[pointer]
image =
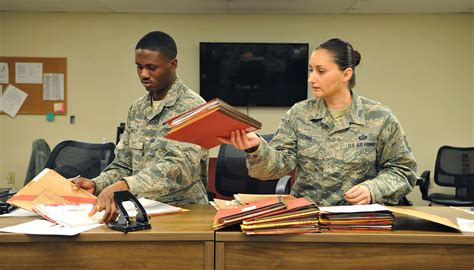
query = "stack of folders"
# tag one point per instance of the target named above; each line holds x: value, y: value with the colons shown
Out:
x: 203, y: 124
x: 372, y: 217
x: 299, y: 216
x: 227, y: 217
x: 274, y: 216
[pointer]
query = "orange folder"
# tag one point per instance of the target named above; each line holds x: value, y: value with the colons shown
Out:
x: 49, y: 187
x: 231, y: 216
x: 203, y: 124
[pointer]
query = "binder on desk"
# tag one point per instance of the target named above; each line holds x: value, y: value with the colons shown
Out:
x: 203, y: 124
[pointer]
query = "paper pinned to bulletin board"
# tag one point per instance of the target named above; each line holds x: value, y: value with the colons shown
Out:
x: 12, y: 100
x: 43, y: 79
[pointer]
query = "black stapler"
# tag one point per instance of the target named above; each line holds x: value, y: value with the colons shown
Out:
x: 124, y: 223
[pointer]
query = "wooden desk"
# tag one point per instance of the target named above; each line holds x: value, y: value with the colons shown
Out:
x: 414, y: 244
x: 179, y: 241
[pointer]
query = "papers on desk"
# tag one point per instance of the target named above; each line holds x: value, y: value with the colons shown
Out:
x: 49, y: 187
x: 72, y: 219
x: 243, y: 199
x: 20, y: 213
x: 44, y: 227
x: 77, y: 214
x: 276, y: 215
x: 371, y: 217
x: 465, y: 225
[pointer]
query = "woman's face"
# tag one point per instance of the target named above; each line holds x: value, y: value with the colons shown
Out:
x: 325, y: 78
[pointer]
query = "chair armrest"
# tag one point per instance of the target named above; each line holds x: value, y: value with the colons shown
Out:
x: 284, y: 185
x: 424, y: 182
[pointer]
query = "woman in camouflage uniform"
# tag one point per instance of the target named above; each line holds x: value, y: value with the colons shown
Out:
x: 346, y: 149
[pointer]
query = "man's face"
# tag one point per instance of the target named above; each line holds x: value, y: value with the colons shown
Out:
x: 157, y: 72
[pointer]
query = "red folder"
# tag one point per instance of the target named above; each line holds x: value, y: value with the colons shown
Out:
x: 203, y: 124
x: 231, y: 216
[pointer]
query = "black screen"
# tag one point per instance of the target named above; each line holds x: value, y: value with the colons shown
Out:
x: 254, y: 74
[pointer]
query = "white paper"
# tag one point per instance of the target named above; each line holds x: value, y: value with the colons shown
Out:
x: 77, y: 215
x: 354, y: 208
x: 12, y: 100
x: 43, y: 227
x: 19, y: 212
x: 151, y: 207
x: 69, y: 215
x: 53, y: 86
x: 465, y: 225
x: 29, y: 73
x: 3, y: 73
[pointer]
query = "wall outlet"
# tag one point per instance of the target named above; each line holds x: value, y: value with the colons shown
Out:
x: 11, y: 178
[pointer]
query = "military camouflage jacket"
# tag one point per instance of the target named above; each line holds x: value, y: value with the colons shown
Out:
x: 154, y: 167
x: 366, y: 147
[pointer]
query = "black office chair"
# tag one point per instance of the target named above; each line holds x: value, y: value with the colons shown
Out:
x: 232, y: 175
x: 120, y: 131
x: 73, y: 158
x: 452, y: 169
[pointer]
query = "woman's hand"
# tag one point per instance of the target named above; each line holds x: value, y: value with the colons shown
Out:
x: 358, y: 194
x: 241, y: 140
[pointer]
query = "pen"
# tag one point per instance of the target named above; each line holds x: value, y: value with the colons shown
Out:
x: 75, y: 178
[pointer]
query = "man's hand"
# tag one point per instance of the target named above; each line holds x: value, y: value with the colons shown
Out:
x: 241, y: 140
x: 358, y: 194
x: 83, y: 183
x: 106, y: 202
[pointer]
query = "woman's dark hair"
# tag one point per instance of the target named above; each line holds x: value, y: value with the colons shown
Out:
x: 159, y: 42
x: 344, y: 55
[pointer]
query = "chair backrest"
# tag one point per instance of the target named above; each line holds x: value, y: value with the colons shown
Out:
x: 232, y: 173
x: 39, y: 155
x: 453, y: 168
x: 73, y: 158
x: 120, y: 131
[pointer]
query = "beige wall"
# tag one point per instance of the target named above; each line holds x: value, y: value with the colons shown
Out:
x: 421, y: 66
x: 2, y: 39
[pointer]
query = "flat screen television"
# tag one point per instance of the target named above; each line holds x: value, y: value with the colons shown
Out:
x: 254, y: 74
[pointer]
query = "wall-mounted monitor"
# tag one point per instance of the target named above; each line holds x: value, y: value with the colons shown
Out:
x: 254, y: 74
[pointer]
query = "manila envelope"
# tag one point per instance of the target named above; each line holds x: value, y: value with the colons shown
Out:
x: 49, y: 187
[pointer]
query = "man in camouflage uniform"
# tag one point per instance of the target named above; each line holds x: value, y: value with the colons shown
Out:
x: 366, y: 147
x: 146, y: 163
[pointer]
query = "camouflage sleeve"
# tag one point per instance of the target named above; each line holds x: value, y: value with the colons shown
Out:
x: 173, y: 172
x: 396, y: 165
x: 121, y: 166
x: 277, y: 158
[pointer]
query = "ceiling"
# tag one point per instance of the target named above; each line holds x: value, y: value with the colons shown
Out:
x: 242, y: 6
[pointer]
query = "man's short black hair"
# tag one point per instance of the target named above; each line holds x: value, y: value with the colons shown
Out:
x: 159, y: 42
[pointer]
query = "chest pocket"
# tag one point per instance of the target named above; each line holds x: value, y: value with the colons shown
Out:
x: 309, y: 150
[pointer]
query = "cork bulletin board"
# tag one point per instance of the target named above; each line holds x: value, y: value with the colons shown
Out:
x: 35, y: 104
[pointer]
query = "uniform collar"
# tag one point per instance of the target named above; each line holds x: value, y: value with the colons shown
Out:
x: 354, y: 115
x: 168, y: 101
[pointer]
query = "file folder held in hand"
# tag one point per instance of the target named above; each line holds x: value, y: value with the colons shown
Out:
x: 203, y: 124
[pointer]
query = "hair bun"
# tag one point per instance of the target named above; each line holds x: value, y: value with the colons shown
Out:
x: 357, y: 58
